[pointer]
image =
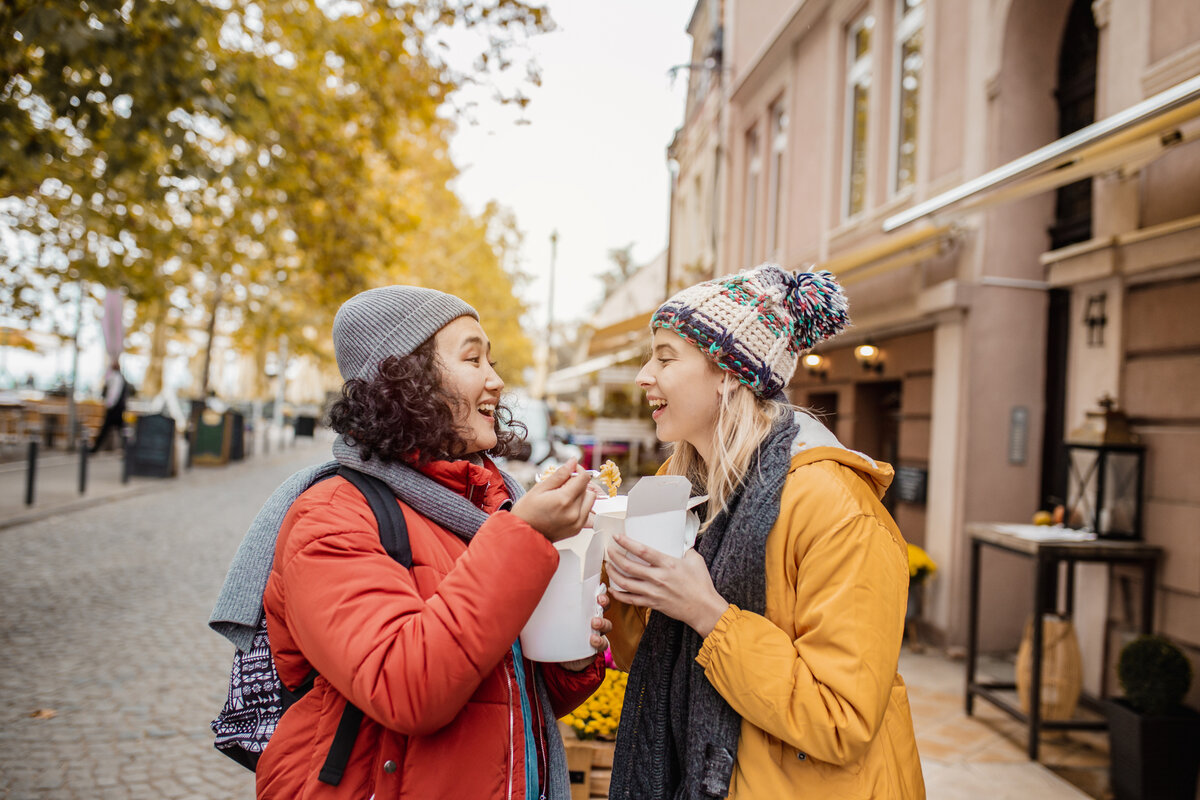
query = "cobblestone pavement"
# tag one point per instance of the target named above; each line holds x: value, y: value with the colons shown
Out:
x: 103, y: 623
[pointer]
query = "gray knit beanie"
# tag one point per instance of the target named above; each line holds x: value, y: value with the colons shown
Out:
x: 389, y: 321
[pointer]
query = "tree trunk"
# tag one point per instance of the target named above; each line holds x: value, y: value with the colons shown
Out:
x: 212, y: 326
x: 152, y: 384
x: 262, y: 388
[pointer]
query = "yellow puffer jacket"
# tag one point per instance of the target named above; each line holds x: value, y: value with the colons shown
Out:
x: 824, y: 711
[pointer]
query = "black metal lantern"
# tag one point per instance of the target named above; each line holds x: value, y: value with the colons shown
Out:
x: 1105, y: 468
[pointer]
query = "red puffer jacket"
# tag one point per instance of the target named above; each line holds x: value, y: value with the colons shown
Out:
x: 425, y: 653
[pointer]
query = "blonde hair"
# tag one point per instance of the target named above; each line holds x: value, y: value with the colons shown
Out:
x: 743, y: 421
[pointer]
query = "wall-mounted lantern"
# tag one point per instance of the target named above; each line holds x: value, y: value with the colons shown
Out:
x: 1105, y: 469
x: 816, y: 365
x: 870, y: 357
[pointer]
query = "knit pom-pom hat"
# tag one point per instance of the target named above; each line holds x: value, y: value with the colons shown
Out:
x: 755, y: 324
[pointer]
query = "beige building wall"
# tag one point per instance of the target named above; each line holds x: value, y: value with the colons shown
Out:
x: 963, y: 316
x: 696, y: 153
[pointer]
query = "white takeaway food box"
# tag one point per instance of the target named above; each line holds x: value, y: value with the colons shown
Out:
x: 560, y: 628
x: 657, y: 512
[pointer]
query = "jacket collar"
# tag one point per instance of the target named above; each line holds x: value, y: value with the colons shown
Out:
x: 481, y: 483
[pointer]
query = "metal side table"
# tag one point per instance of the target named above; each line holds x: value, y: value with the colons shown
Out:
x: 1047, y: 555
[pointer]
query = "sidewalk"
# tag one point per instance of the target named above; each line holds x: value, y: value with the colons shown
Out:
x: 968, y: 758
x: 56, y: 481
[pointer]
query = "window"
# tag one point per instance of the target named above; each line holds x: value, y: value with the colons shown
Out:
x: 779, y: 122
x: 910, y: 22
x: 858, y: 92
x: 753, y: 173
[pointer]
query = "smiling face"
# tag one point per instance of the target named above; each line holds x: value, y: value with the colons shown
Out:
x: 684, y: 388
x: 469, y: 375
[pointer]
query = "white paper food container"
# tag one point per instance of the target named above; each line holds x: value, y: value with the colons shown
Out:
x: 561, y: 626
x: 656, y: 512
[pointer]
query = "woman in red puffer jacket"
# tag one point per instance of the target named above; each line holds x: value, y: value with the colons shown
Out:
x: 429, y: 654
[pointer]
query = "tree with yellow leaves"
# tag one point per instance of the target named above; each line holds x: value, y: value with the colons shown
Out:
x: 259, y: 160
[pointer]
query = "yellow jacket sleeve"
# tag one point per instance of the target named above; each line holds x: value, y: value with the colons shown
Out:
x: 825, y: 691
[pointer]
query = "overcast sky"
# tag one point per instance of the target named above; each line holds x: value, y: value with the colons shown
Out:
x: 591, y: 162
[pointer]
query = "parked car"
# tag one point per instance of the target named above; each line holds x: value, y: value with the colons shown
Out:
x: 544, y: 444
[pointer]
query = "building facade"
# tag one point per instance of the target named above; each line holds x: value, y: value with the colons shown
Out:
x: 1008, y: 191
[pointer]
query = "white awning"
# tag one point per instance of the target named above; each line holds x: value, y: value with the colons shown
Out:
x: 1130, y: 138
x: 570, y: 379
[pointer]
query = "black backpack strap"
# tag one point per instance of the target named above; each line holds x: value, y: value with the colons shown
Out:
x: 393, y: 535
x: 393, y: 531
x: 343, y: 744
x: 288, y: 697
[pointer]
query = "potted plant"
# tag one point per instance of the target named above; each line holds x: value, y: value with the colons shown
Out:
x: 1154, y: 738
x: 920, y: 568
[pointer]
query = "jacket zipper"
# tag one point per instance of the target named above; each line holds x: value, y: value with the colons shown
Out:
x: 543, y: 744
x: 508, y: 684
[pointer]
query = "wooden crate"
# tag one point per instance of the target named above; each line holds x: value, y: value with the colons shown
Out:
x: 590, y: 764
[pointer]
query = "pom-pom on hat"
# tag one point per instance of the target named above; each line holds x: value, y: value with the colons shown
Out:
x: 755, y: 324
x: 389, y: 321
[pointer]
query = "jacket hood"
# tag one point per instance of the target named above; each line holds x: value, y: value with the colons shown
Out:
x: 814, y: 442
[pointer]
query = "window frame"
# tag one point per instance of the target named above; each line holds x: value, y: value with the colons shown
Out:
x: 859, y: 71
x: 776, y: 161
x: 906, y: 25
x: 753, y: 144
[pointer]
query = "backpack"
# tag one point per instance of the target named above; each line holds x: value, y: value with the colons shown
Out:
x: 257, y: 699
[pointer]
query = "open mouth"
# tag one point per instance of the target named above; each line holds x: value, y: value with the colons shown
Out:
x: 659, y: 407
x: 488, y: 410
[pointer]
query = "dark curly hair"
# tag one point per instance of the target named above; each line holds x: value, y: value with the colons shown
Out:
x: 405, y: 413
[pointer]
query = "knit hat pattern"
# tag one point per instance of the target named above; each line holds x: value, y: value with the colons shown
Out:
x: 755, y: 324
x: 389, y: 321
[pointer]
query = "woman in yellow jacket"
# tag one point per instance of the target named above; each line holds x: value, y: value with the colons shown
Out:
x: 769, y: 668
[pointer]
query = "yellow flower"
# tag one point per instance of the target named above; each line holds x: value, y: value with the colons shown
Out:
x: 920, y: 565
x: 600, y: 714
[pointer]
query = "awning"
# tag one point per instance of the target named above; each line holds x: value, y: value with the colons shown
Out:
x: 1130, y: 139
x: 887, y: 254
x: 619, y: 333
x: 570, y: 379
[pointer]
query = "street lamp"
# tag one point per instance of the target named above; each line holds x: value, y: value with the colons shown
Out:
x: 550, y: 307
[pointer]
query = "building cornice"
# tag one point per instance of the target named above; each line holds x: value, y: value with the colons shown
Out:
x: 776, y: 47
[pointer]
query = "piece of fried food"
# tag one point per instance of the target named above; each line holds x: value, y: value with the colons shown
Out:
x: 610, y: 476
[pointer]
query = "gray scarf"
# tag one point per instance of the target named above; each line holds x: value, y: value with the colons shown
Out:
x: 239, y: 609
x: 678, y: 737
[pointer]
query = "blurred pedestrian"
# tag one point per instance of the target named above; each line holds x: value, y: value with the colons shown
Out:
x: 430, y: 654
x: 116, y: 391
x: 770, y: 669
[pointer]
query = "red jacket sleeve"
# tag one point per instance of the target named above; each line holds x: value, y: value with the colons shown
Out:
x: 568, y: 689
x: 409, y: 663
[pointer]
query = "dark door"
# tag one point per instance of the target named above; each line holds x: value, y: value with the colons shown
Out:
x: 1054, y: 452
x: 825, y: 406
x: 877, y: 425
